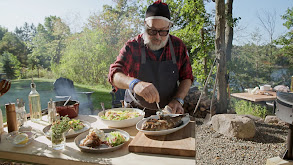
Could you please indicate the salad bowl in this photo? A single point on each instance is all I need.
(120, 121)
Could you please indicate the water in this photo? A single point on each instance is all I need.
(35, 107)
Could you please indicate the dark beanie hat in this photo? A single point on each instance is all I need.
(158, 10)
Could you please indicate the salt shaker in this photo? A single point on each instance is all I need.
(20, 113)
(11, 117)
(51, 112)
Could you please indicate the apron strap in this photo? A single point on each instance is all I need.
(172, 51)
(142, 51)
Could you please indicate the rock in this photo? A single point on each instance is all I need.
(282, 123)
(281, 88)
(272, 119)
(233, 125)
(254, 118)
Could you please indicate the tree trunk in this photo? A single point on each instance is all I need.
(229, 29)
(205, 92)
(220, 50)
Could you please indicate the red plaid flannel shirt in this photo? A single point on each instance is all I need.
(129, 59)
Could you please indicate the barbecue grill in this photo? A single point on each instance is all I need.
(283, 107)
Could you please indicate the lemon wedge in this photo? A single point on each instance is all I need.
(21, 138)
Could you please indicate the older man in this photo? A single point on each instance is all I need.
(150, 65)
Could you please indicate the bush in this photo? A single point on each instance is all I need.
(243, 107)
(41, 73)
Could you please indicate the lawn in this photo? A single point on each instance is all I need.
(21, 89)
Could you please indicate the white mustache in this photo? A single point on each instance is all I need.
(155, 39)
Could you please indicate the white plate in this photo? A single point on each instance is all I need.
(103, 147)
(13, 134)
(122, 123)
(69, 134)
(185, 120)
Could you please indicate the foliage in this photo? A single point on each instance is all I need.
(2, 32)
(89, 54)
(26, 32)
(243, 107)
(250, 66)
(12, 44)
(49, 43)
(287, 40)
(86, 58)
(11, 66)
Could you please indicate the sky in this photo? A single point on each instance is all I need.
(14, 13)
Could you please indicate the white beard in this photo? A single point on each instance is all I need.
(152, 46)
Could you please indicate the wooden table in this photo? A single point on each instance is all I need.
(257, 97)
(40, 151)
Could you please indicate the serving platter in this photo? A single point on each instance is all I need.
(71, 133)
(185, 121)
(103, 147)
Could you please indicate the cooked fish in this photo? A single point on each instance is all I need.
(163, 123)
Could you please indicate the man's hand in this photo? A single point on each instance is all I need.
(176, 107)
(148, 91)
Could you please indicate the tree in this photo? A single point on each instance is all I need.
(287, 40)
(26, 32)
(194, 26)
(49, 43)
(268, 21)
(220, 50)
(11, 66)
(229, 29)
(12, 44)
(2, 32)
(88, 54)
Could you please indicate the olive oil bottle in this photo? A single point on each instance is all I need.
(34, 104)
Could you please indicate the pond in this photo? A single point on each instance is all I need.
(21, 89)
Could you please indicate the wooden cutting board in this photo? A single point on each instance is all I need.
(180, 143)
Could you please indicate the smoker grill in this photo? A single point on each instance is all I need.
(283, 107)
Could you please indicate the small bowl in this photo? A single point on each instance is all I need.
(10, 137)
(122, 123)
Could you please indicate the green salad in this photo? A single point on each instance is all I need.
(115, 139)
(120, 115)
(76, 124)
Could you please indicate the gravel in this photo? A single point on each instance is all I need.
(213, 148)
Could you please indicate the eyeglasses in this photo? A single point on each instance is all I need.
(153, 32)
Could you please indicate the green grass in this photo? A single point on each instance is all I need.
(21, 89)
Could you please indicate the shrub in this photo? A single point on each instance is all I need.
(243, 107)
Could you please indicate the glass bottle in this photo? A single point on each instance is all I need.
(20, 113)
(51, 112)
(34, 104)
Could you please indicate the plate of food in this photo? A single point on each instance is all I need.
(76, 127)
(101, 140)
(20, 139)
(121, 117)
(162, 125)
